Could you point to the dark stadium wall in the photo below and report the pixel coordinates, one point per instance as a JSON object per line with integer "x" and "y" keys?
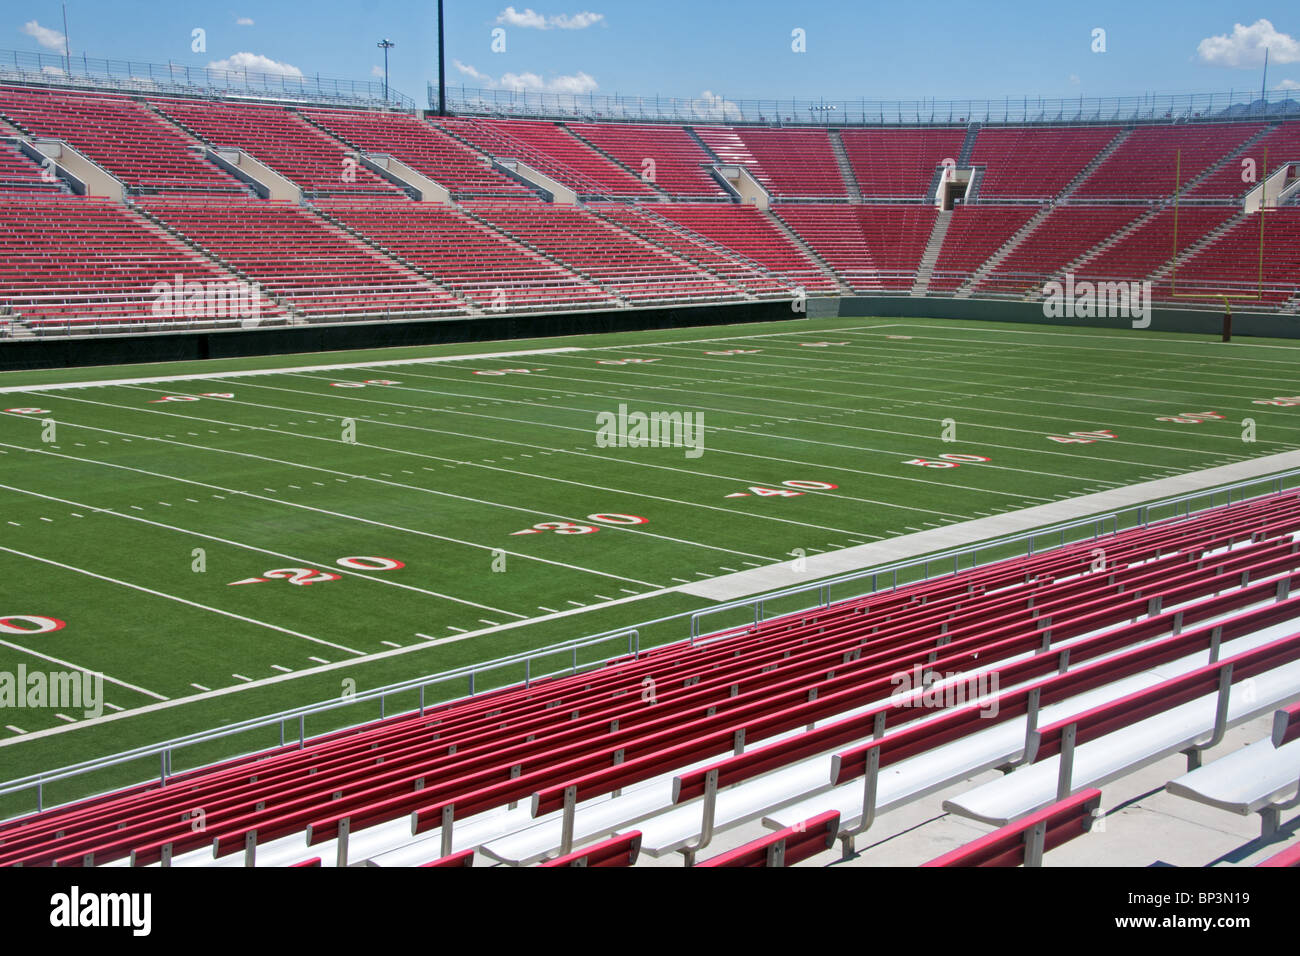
{"x": 1207, "y": 321}
{"x": 69, "y": 352}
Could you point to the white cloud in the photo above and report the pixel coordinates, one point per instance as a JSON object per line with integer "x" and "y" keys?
{"x": 377, "y": 71}
{"x": 49, "y": 70}
{"x": 244, "y": 21}
{"x": 50, "y": 39}
{"x": 254, "y": 63}
{"x": 1244, "y": 48}
{"x": 1288, "y": 85}
{"x": 472, "y": 73}
{"x": 579, "y": 21}
{"x": 1074, "y": 79}
{"x": 530, "y": 19}
{"x": 579, "y": 82}
{"x": 712, "y": 106}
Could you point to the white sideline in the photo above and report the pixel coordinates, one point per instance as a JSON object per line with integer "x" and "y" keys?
{"x": 282, "y": 371}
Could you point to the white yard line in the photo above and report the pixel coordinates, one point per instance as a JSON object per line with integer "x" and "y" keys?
{"x": 181, "y": 600}
{"x": 77, "y": 667}
{"x": 324, "y": 511}
{"x": 332, "y": 568}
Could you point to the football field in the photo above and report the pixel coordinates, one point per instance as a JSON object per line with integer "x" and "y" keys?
{"x": 231, "y": 539}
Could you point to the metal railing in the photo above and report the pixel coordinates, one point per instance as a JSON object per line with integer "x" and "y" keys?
{"x": 1145, "y": 107}
{"x": 141, "y": 76}
{"x": 629, "y": 640}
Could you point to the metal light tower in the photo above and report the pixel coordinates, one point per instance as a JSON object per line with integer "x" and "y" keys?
{"x": 385, "y": 45}
{"x": 442, "y": 68}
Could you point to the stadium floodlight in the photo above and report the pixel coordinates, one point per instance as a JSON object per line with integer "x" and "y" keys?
{"x": 385, "y": 45}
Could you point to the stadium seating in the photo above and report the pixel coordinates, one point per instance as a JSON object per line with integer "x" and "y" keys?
{"x": 1232, "y": 264}
{"x": 787, "y": 847}
{"x": 75, "y": 264}
{"x": 1150, "y": 246}
{"x": 1280, "y": 145}
{"x": 331, "y": 272}
{"x": 18, "y": 172}
{"x": 425, "y": 149}
{"x": 464, "y": 255}
{"x": 899, "y": 163}
{"x": 974, "y": 234}
{"x": 633, "y": 268}
{"x": 1252, "y": 779}
{"x": 121, "y": 135}
{"x": 749, "y": 232}
{"x": 281, "y": 140}
{"x": 677, "y": 161}
{"x": 678, "y": 238}
{"x": 790, "y": 164}
{"x": 552, "y": 150}
{"x": 749, "y": 274}
{"x": 1033, "y": 162}
{"x": 1153, "y": 158}
{"x": 535, "y": 772}
{"x": 1066, "y": 233}
{"x": 871, "y": 247}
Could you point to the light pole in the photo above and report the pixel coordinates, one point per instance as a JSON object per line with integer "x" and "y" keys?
{"x": 385, "y": 45}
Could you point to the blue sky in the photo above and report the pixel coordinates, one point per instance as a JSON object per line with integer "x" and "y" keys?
{"x": 687, "y": 47}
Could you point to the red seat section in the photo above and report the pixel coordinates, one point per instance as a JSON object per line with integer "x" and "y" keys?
{"x": 630, "y": 267}
{"x": 20, "y": 172}
{"x": 484, "y": 266}
{"x": 1035, "y": 162}
{"x": 120, "y": 134}
{"x": 329, "y": 273}
{"x": 750, "y": 232}
{"x": 1232, "y": 263}
{"x": 789, "y": 163}
{"x": 720, "y": 259}
{"x": 667, "y": 155}
{"x": 282, "y": 140}
{"x": 1150, "y": 246}
{"x": 974, "y": 234}
{"x": 553, "y": 150}
{"x": 1245, "y": 172}
{"x": 1066, "y": 233}
{"x": 1153, "y": 158}
{"x": 899, "y": 163}
{"x": 445, "y": 160}
{"x": 872, "y": 247}
{"x": 78, "y": 263}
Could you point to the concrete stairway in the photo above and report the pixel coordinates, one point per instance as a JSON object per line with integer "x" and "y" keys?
{"x": 808, "y": 251}
{"x": 921, "y": 285}
{"x": 846, "y": 168}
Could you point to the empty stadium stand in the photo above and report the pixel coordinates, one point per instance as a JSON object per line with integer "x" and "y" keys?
{"x": 122, "y": 135}
{"x": 816, "y": 722}
{"x": 331, "y": 273}
{"x": 652, "y": 225}
{"x": 282, "y": 140}
{"x": 72, "y": 264}
{"x": 446, "y": 161}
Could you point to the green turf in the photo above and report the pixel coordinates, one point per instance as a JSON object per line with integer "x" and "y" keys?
{"x": 101, "y": 524}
